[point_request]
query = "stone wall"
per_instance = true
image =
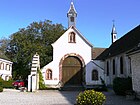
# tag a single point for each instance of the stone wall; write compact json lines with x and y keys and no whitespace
{"x":135,"y":66}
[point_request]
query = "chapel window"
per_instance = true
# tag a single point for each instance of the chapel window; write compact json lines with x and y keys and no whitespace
{"x":121,"y":65}
{"x":48,"y":74}
{"x":107,"y":71}
{"x":72,"y":38}
{"x":113,"y":66}
{"x":95,"y":75}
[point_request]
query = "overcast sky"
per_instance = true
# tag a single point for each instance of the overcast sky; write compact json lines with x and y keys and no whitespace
{"x":94,"y":18}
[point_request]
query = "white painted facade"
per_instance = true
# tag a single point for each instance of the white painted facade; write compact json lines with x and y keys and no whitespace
{"x":94,"y":65}
{"x":5,"y":69}
{"x":63,"y":47}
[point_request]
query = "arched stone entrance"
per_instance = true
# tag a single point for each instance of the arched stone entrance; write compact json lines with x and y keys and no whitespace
{"x":71,"y":69}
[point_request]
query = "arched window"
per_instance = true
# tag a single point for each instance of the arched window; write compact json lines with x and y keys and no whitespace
{"x":95,"y":75}
{"x":72,"y":37}
{"x":48,"y":74}
{"x":107,"y":69}
{"x":114,"y":67}
{"x":121,"y":65}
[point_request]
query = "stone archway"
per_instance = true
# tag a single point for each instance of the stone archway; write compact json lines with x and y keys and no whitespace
{"x":71,"y":69}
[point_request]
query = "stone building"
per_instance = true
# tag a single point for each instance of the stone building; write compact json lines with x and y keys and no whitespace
{"x":134,"y":55}
{"x":116,"y":60}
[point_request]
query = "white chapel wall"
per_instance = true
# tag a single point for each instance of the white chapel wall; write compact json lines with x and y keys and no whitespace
{"x":95,"y":65}
{"x":62,"y":47}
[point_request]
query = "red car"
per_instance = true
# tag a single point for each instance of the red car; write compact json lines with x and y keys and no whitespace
{"x":18,"y":83}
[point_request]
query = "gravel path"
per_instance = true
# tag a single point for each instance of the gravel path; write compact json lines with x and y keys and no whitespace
{"x":44,"y":97}
{"x":55,"y":97}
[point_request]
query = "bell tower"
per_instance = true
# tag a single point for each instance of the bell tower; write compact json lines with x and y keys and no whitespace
{"x":72,"y":14}
{"x":113,"y":33}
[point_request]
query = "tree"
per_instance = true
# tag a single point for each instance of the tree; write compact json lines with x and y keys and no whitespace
{"x":22,"y":45}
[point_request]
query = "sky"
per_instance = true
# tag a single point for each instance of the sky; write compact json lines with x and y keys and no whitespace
{"x":94,"y":17}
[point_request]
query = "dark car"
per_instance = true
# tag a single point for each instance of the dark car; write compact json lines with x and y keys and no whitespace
{"x":18,"y":83}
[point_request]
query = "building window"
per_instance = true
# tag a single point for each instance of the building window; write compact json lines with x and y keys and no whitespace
{"x":121,"y":65}
{"x":72,"y":19}
{"x":114,"y":67}
{"x":1,"y":66}
{"x":6,"y":78}
{"x":7,"y":67}
{"x":48,"y":74}
{"x":72,"y":37}
{"x":94,"y":75}
{"x":107,"y":70}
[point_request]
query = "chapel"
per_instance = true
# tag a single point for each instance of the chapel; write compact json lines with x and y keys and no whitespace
{"x":73,"y":56}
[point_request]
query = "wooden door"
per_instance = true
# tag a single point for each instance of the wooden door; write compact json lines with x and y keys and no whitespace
{"x":72,"y":71}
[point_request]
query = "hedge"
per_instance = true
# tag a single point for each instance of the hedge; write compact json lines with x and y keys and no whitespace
{"x":121,"y":85}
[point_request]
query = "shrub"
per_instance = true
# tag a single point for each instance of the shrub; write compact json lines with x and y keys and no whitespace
{"x":6,"y":84}
{"x":90,"y":97}
{"x":121,"y":85}
{"x":41,"y":81}
{"x":1,"y":89}
{"x":1,"y":82}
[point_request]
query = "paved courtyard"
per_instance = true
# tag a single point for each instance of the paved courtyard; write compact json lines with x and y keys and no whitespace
{"x":55,"y":97}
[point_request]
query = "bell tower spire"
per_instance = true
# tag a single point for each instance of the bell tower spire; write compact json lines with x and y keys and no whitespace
{"x":72,"y":14}
{"x":113,"y":33}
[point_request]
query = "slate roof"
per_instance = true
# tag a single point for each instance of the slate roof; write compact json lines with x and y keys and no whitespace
{"x":122,"y":45}
{"x":134,"y":50}
{"x":96,"y":52}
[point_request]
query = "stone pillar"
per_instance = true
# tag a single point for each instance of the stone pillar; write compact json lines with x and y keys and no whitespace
{"x":33,"y":78}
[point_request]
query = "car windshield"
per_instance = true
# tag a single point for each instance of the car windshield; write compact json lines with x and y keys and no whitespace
{"x":18,"y":80}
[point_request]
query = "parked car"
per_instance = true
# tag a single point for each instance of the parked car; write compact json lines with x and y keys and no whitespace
{"x":18,"y":83}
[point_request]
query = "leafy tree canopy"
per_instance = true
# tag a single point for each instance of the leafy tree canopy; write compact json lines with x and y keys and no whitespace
{"x":22,"y":45}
